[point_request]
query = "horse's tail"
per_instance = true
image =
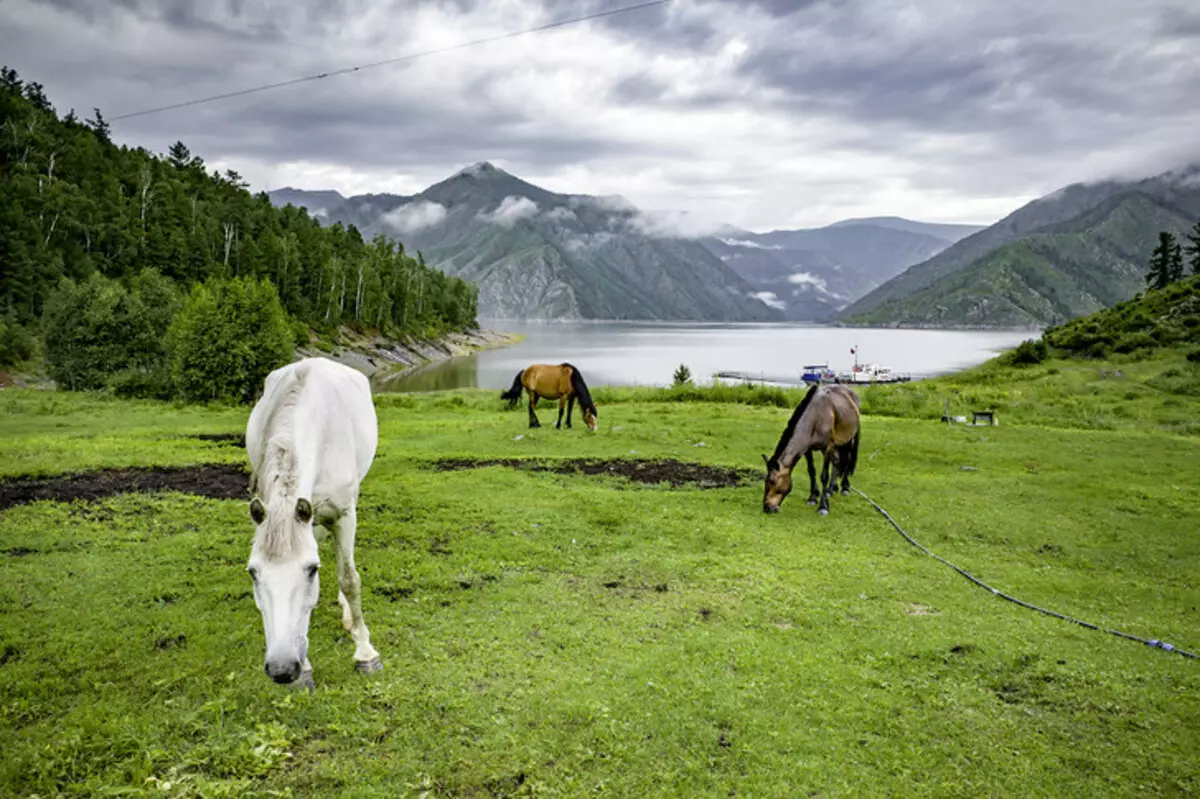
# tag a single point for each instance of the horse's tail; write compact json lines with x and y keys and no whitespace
{"x":514,"y":393}
{"x":852,"y":453}
{"x":581,"y":390}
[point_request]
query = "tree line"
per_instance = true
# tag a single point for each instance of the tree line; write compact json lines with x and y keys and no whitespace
{"x":77,"y":210}
{"x":1167,"y":260}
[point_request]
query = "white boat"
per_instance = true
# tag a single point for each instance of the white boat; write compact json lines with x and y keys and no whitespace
{"x":870,"y":373}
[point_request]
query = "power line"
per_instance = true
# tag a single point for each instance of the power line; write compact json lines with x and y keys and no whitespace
{"x":396,"y":60}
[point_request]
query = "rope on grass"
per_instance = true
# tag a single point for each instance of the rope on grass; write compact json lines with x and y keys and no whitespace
{"x":1154,"y":642}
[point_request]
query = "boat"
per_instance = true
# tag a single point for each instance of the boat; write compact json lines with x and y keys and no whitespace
{"x":818,"y":373}
{"x":870,"y":373}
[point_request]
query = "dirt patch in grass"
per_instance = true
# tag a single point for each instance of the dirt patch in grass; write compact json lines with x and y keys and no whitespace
{"x":232,"y":439}
{"x":675,"y":473}
{"x":216,"y":481}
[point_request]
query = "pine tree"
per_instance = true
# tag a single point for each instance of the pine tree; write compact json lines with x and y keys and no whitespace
{"x":1193,"y":249}
{"x":1175,"y":267}
{"x":1159,"y":275}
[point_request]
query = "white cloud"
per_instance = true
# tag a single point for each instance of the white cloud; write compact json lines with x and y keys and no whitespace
{"x":416,"y":216}
{"x":751,"y":244}
{"x":674,"y":224}
{"x":560,"y":214}
{"x":808,"y":279}
{"x":510,"y":210}
{"x":577,"y":242}
{"x":769,"y":298}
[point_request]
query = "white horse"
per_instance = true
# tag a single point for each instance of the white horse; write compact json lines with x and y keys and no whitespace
{"x":311,"y":439}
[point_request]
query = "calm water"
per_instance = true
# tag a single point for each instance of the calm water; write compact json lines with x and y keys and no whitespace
{"x":614,"y":353}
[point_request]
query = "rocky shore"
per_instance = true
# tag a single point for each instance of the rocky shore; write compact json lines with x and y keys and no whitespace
{"x":374,"y":355}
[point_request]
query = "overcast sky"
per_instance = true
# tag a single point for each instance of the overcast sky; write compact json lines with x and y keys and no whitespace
{"x":759,"y":113}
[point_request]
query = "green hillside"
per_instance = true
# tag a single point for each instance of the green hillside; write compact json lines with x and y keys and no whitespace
{"x":1160,"y":318}
{"x":74,"y":205}
{"x":1060,"y":272}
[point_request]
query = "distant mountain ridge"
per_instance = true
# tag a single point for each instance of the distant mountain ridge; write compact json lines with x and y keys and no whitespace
{"x":815,"y":272}
{"x":949,"y":232}
{"x":538,"y":254}
{"x":1072,"y":252}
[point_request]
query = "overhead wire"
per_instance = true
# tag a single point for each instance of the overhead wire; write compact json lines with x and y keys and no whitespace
{"x":389,"y":61}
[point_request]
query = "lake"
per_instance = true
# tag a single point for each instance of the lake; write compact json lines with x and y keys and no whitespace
{"x":647,"y":354}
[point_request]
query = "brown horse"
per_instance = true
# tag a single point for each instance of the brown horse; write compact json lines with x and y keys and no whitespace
{"x":826,"y":419}
{"x":563,"y":383}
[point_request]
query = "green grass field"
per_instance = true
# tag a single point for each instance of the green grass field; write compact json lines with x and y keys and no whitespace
{"x":576,"y":635}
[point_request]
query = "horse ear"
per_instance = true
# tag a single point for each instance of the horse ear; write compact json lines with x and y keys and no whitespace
{"x":304,"y":511}
{"x":257,"y":512}
{"x":766,"y":460}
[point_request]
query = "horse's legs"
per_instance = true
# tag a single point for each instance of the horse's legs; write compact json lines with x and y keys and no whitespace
{"x":533,"y":420}
{"x":570,"y":407}
{"x":828,"y":479}
{"x":366,"y":659}
{"x":562,"y":405}
{"x":843,"y":466}
{"x":813,"y":494}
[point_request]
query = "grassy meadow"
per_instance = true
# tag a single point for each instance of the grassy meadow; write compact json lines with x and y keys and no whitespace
{"x":550,"y":634}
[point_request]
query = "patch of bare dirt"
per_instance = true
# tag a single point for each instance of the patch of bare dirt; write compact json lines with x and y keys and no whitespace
{"x":215,"y":480}
{"x":232,"y":439}
{"x":675,"y":473}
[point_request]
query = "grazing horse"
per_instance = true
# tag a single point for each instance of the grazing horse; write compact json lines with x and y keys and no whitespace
{"x":311,"y":439}
{"x":563,"y":383}
{"x":826,"y":419}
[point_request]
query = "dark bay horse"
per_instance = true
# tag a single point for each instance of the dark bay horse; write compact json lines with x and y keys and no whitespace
{"x":827,"y":419}
{"x":563,"y":383}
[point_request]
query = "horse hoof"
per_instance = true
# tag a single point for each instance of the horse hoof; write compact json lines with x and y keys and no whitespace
{"x":810,"y":502}
{"x":824,"y":511}
{"x":368,"y":666}
{"x":305,"y":682}
{"x":845,"y":492}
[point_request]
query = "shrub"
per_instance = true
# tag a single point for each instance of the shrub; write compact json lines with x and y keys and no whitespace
{"x":1029,"y":352}
{"x":97,"y":328}
{"x":300,"y":337}
{"x":1194,"y":356}
{"x":682,"y":376}
{"x":16,"y":343}
{"x":229,"y":335}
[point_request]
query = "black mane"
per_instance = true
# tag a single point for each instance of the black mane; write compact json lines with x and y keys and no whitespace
{"x":791,"y":425}
{"x":581,"y":389}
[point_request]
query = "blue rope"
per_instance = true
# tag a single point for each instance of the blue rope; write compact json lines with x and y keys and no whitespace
{"x":1153,"y":642}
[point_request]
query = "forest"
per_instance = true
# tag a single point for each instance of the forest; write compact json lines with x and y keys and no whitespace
{"x":78,"y":210}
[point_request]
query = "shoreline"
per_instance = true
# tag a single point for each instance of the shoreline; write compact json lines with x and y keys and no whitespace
{"x":377,"y":356}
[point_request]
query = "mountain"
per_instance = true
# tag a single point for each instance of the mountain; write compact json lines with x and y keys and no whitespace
{"x":896,"y":301}
{"x":536,"y":254}
{"x":947,"y":231}
{"x":317,"y":203}
{"x":815,"y":272}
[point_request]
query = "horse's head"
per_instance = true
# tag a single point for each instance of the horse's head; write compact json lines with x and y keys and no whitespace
{"x":778,"y":485}
{"x":589,"y":417}
{"x":283,"y":565}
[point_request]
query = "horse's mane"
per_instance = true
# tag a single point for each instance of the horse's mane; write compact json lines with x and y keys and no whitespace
{"x":790,"y":430}
{"x":278,"y":472}
{"x":580,"y":388}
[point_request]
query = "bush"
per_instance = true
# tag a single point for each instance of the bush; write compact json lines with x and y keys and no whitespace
{"x":1194,"y":356}
{"x":300,"y":335}
{"x":97,"y":328}
{"x":1029,"y":352}
{"x":682,"y":376}
{"x":16,"y":343}
{"x":227,"y":338}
